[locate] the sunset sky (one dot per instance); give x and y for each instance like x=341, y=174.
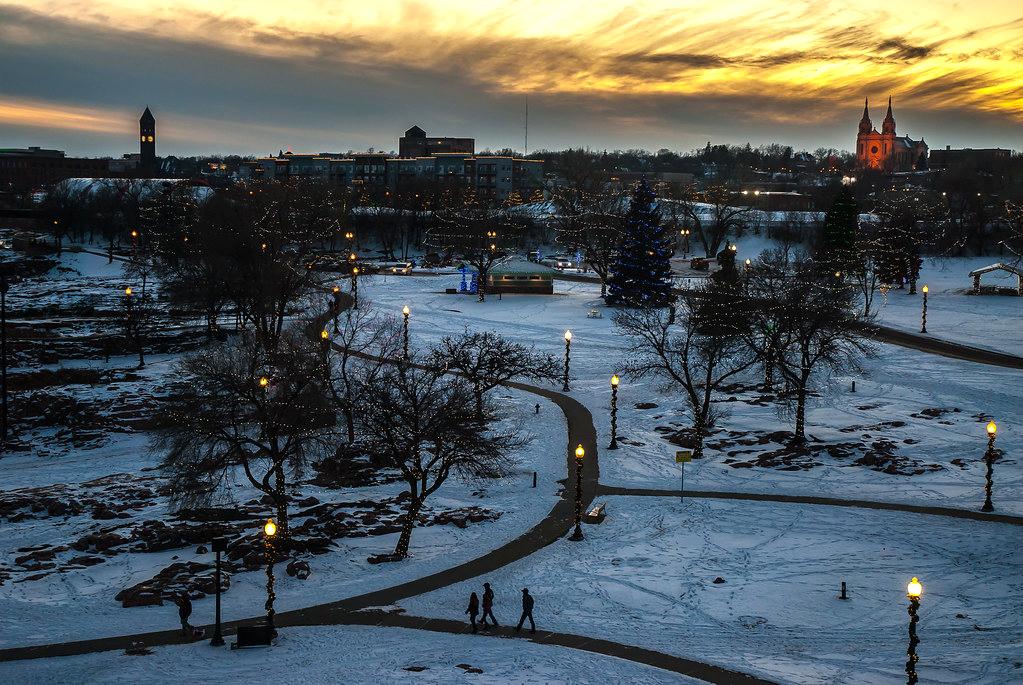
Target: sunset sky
x=252, y=76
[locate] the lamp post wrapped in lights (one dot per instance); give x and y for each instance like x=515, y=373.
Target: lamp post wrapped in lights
x=989, y=457
x=913, y=591
x=568, y=348
x=577, y=534
x=405, y=311
x=269, y=531
x=923, y=316
x=355, y=287
x=614, y=413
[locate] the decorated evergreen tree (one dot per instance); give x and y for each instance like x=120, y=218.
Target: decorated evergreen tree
x=641, y=275
x=838, y=245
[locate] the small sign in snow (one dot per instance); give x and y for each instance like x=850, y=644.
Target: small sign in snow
x=683, y=456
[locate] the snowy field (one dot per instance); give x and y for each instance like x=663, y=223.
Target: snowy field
x=897, y=384
x=353, y=655
x=646, y=576
x=994, y=322
x=84, y=598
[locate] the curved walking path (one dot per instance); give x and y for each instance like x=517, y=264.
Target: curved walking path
x=609, y=490
x=352, y=610
x=895, y=336
x=667, y=662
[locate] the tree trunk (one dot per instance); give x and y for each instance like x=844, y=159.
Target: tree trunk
x=411, y=514
x=800, y=436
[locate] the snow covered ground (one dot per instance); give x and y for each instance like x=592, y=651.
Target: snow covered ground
x=897, y=384
x=353, y=655
x=990, y=321
x=84, y=598
x=646, y=576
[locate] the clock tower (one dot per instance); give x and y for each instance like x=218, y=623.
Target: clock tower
x=147, y=143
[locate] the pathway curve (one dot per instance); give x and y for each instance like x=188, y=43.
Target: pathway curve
x=609, y=490
x=558, y=521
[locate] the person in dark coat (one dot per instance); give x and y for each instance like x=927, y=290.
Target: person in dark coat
x=527, y=611
x=488, y=606
x=184, y=611
x=473, y=610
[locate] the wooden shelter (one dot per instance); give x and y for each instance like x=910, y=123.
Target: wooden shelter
x=516, y=276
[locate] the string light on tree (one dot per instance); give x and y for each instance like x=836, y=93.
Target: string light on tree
x=923, y=315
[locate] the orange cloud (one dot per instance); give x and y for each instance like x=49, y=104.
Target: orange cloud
x=34, y=114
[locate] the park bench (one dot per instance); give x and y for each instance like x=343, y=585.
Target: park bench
x=596, y=514
x=253, y=636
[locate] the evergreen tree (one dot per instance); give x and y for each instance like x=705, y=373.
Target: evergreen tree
x=641, y=276
x=838, y=246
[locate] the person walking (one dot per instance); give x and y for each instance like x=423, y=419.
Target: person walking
x=527, y=611
x=488, y=606
x=473, y=610
x=184, y=611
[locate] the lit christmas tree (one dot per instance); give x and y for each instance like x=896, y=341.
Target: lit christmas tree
x=641, y=275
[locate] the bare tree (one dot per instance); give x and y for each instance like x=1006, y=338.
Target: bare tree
x=360, y=345
x=695, y=344
x=713, y=214
x=474, y=229
x=487, y=360
x=242, y=408
x=804, y=319
x=589, y=217
x=424, y=424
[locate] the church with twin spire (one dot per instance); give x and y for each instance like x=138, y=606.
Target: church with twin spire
x=886, y=151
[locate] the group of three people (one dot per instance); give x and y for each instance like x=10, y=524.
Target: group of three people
x=488, y=609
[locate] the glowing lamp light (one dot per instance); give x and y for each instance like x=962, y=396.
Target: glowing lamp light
x=926, y=289
x=568, y=335
x=580, y=452
x=324, y=335
x=615, y=380
x=405, y=310
x=734, y=248
x=349, y=235
x=748, y=261
x=351, y=257
x=270, y=528
x=336, y=289
x=263, y=381
x=992, y=428
x=134, y=233
x=355, y=271
x=914, y=589
x=127, y=291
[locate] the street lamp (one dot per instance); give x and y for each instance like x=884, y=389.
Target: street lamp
x=989, y=456
x=577, y=535
x=923, y=317
x=913, y=591
x=269, y=531
x=568, y=348
x=614, y=413
x=405, y=311
x=355, y=286
x=264, y=382
x=219, y=545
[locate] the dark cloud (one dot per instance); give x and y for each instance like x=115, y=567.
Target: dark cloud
x=900, y=49
x=333, y=93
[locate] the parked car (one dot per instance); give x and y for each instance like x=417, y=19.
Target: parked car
x=403, y=268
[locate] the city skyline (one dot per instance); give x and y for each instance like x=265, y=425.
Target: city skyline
x=250, y=80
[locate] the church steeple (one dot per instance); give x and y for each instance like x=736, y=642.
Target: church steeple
x=888, y=126
x=865, y=124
